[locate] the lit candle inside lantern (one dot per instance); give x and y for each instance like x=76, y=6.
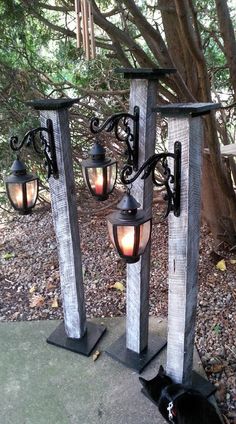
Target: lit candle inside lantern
x=99, y=184
x=19, y=198
x=127, y=244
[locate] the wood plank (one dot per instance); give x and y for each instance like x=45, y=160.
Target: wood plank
x=143, y=93
x=183, y=247
x=65, y=218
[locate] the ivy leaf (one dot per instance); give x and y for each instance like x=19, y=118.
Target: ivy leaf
x=221, y=265
x=217, y=328
x=8, y=256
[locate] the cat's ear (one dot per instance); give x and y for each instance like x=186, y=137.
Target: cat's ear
x=161, y=371
x=143, y=381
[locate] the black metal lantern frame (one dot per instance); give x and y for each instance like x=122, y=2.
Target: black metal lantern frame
x=47, y=146
x=22, y=187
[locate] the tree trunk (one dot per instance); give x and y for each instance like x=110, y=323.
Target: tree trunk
x=218, y=198
x=227, y=32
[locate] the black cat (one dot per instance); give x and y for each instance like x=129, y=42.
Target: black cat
x=177, y=403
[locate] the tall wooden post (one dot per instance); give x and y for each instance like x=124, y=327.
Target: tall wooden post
x=138, y=347
x=184, y=125
x=75, y=333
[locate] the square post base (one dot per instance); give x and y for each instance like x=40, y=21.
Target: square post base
x=84, y=346
x=199, y=383
x=131, y=359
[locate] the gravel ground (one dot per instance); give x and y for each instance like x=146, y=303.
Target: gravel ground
x=30, y=286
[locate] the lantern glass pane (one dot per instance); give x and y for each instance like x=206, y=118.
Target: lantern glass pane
x=126, y=239
x=145, y=230
x=15, y=191
x=111, y=177
x=110, y=231
x=31, y=193
x=96, y=180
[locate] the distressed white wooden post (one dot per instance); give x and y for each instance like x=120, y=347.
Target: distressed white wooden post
x=184, y=125
x=65, y=219
x=139, y=347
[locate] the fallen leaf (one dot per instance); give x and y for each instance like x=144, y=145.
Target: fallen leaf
x=50, y=285
x=233, y=261
x=118, y=286
x=8, y=256
x=32, y=289
x=96, y=355
x=37, y=301
x=221, y=265
x=55, y=302
x=15, y=315
x=215, y=368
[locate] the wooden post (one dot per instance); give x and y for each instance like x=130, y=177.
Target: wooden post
x=185, y=126
x=65, y=218
x=138, y=347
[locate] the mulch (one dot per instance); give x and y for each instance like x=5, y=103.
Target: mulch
x=30, y=285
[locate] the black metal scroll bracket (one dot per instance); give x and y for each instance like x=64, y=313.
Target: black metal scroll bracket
x=149, y=167
x=126, y=135
x=47, y=146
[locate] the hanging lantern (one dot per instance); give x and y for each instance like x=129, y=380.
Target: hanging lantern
x=22, y=188
x=129, y=229
x=99, y=172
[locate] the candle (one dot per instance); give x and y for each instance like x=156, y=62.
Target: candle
x=127, y=243
x=99, y=184
x=18, y=197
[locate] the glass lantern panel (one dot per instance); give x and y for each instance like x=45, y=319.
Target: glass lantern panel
x=126, y=239
x=31, y=193
x=145, y=230
x=16, y=195
x=110, y=231
x=111, y=176
x=96, y=180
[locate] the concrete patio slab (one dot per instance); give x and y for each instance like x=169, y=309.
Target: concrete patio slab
x=44, y=384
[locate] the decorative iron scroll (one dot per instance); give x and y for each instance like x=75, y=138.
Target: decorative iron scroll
x=116, y=122
x=150, y=167
x=47, y=146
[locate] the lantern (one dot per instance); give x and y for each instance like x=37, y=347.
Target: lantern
x=22, y=188
x=99, y=172
x=129, y=229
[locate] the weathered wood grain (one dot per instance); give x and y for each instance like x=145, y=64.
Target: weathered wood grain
x=143, y=94
x=183, y=248
x=64, y=212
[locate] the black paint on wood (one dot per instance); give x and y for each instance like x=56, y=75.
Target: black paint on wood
x=144, y=73
x=85, y=345
x=51, y=104
x=131, y=359
x=193, y=109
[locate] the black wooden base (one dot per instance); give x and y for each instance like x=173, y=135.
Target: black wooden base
x=84, y=346
x=131, y=359
x=202, y=385
x=198, y=383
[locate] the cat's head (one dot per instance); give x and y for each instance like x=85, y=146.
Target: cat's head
x=155, y=386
